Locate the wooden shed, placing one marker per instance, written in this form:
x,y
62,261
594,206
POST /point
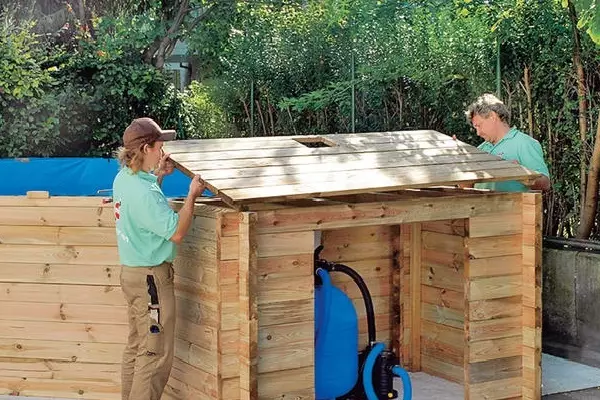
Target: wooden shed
x,y
455,274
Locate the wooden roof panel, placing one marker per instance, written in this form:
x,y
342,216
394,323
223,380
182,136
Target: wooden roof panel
x,y
244,170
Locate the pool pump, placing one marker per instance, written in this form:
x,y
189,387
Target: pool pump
x,y
341,371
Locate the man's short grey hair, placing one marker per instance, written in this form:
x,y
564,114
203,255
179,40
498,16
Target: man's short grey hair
x,y
484,105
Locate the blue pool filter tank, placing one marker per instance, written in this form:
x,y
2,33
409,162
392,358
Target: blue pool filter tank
x,y
336,341
341,372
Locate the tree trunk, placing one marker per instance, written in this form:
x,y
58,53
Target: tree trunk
x,y
581,93
527,88
588,215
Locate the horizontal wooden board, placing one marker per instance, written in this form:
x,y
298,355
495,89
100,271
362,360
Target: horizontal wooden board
x,y
443,297
64,331
62,312
496,224
388,213
71,274
58,216
86,352
495,246
66,294
447,226
58,235
495,348
444,316
442,369
495,328
496,390
80,255
195,378
60,370
286,312
501,368
495,266
85,388
295,383
54,201
495,308
495,287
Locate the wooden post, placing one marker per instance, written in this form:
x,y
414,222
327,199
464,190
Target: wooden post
x,y
415,278
532,295
248,343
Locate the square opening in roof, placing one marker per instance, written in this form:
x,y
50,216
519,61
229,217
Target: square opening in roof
x,y
315,142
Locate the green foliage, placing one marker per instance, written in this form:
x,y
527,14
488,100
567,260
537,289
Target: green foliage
x,y
60,102
202,116
589,16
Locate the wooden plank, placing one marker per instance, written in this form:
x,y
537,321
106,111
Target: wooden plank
x,y
293,383
495,246
276,142
106,275
293,149
248,291
496,225
495,266
57,235
443,342
443,298
89,389
283,244
532,296
176,390
228,223
501,368
389,213
495,308
228,248
57,312
442,277
286,312
500,389
200,334
447,226
314,185
486,350
416,306
87,352
284,289
286,346
80,255
195,378
63,331
442,369
443,242
338,163
65,294
58,216
287,266
405,300
495,329
59,370
54,201
444,316
495,287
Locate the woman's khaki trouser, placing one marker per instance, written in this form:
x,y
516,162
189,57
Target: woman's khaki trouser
x,y
148,356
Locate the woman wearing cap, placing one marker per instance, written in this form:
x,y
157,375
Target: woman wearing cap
x,y
147,233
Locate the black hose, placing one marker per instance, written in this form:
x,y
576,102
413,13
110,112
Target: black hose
x,y
364,290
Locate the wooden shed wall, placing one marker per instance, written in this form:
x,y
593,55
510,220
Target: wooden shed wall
x,y
369,250
62,314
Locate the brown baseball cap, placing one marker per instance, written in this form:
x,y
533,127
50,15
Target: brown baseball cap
x,y
143,131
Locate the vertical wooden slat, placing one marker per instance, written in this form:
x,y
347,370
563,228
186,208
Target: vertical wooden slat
x,y
532,295
248,342
396,278
415,278
405,302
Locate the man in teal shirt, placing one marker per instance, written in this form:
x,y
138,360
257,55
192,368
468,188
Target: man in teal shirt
x,y
147,233
489,117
